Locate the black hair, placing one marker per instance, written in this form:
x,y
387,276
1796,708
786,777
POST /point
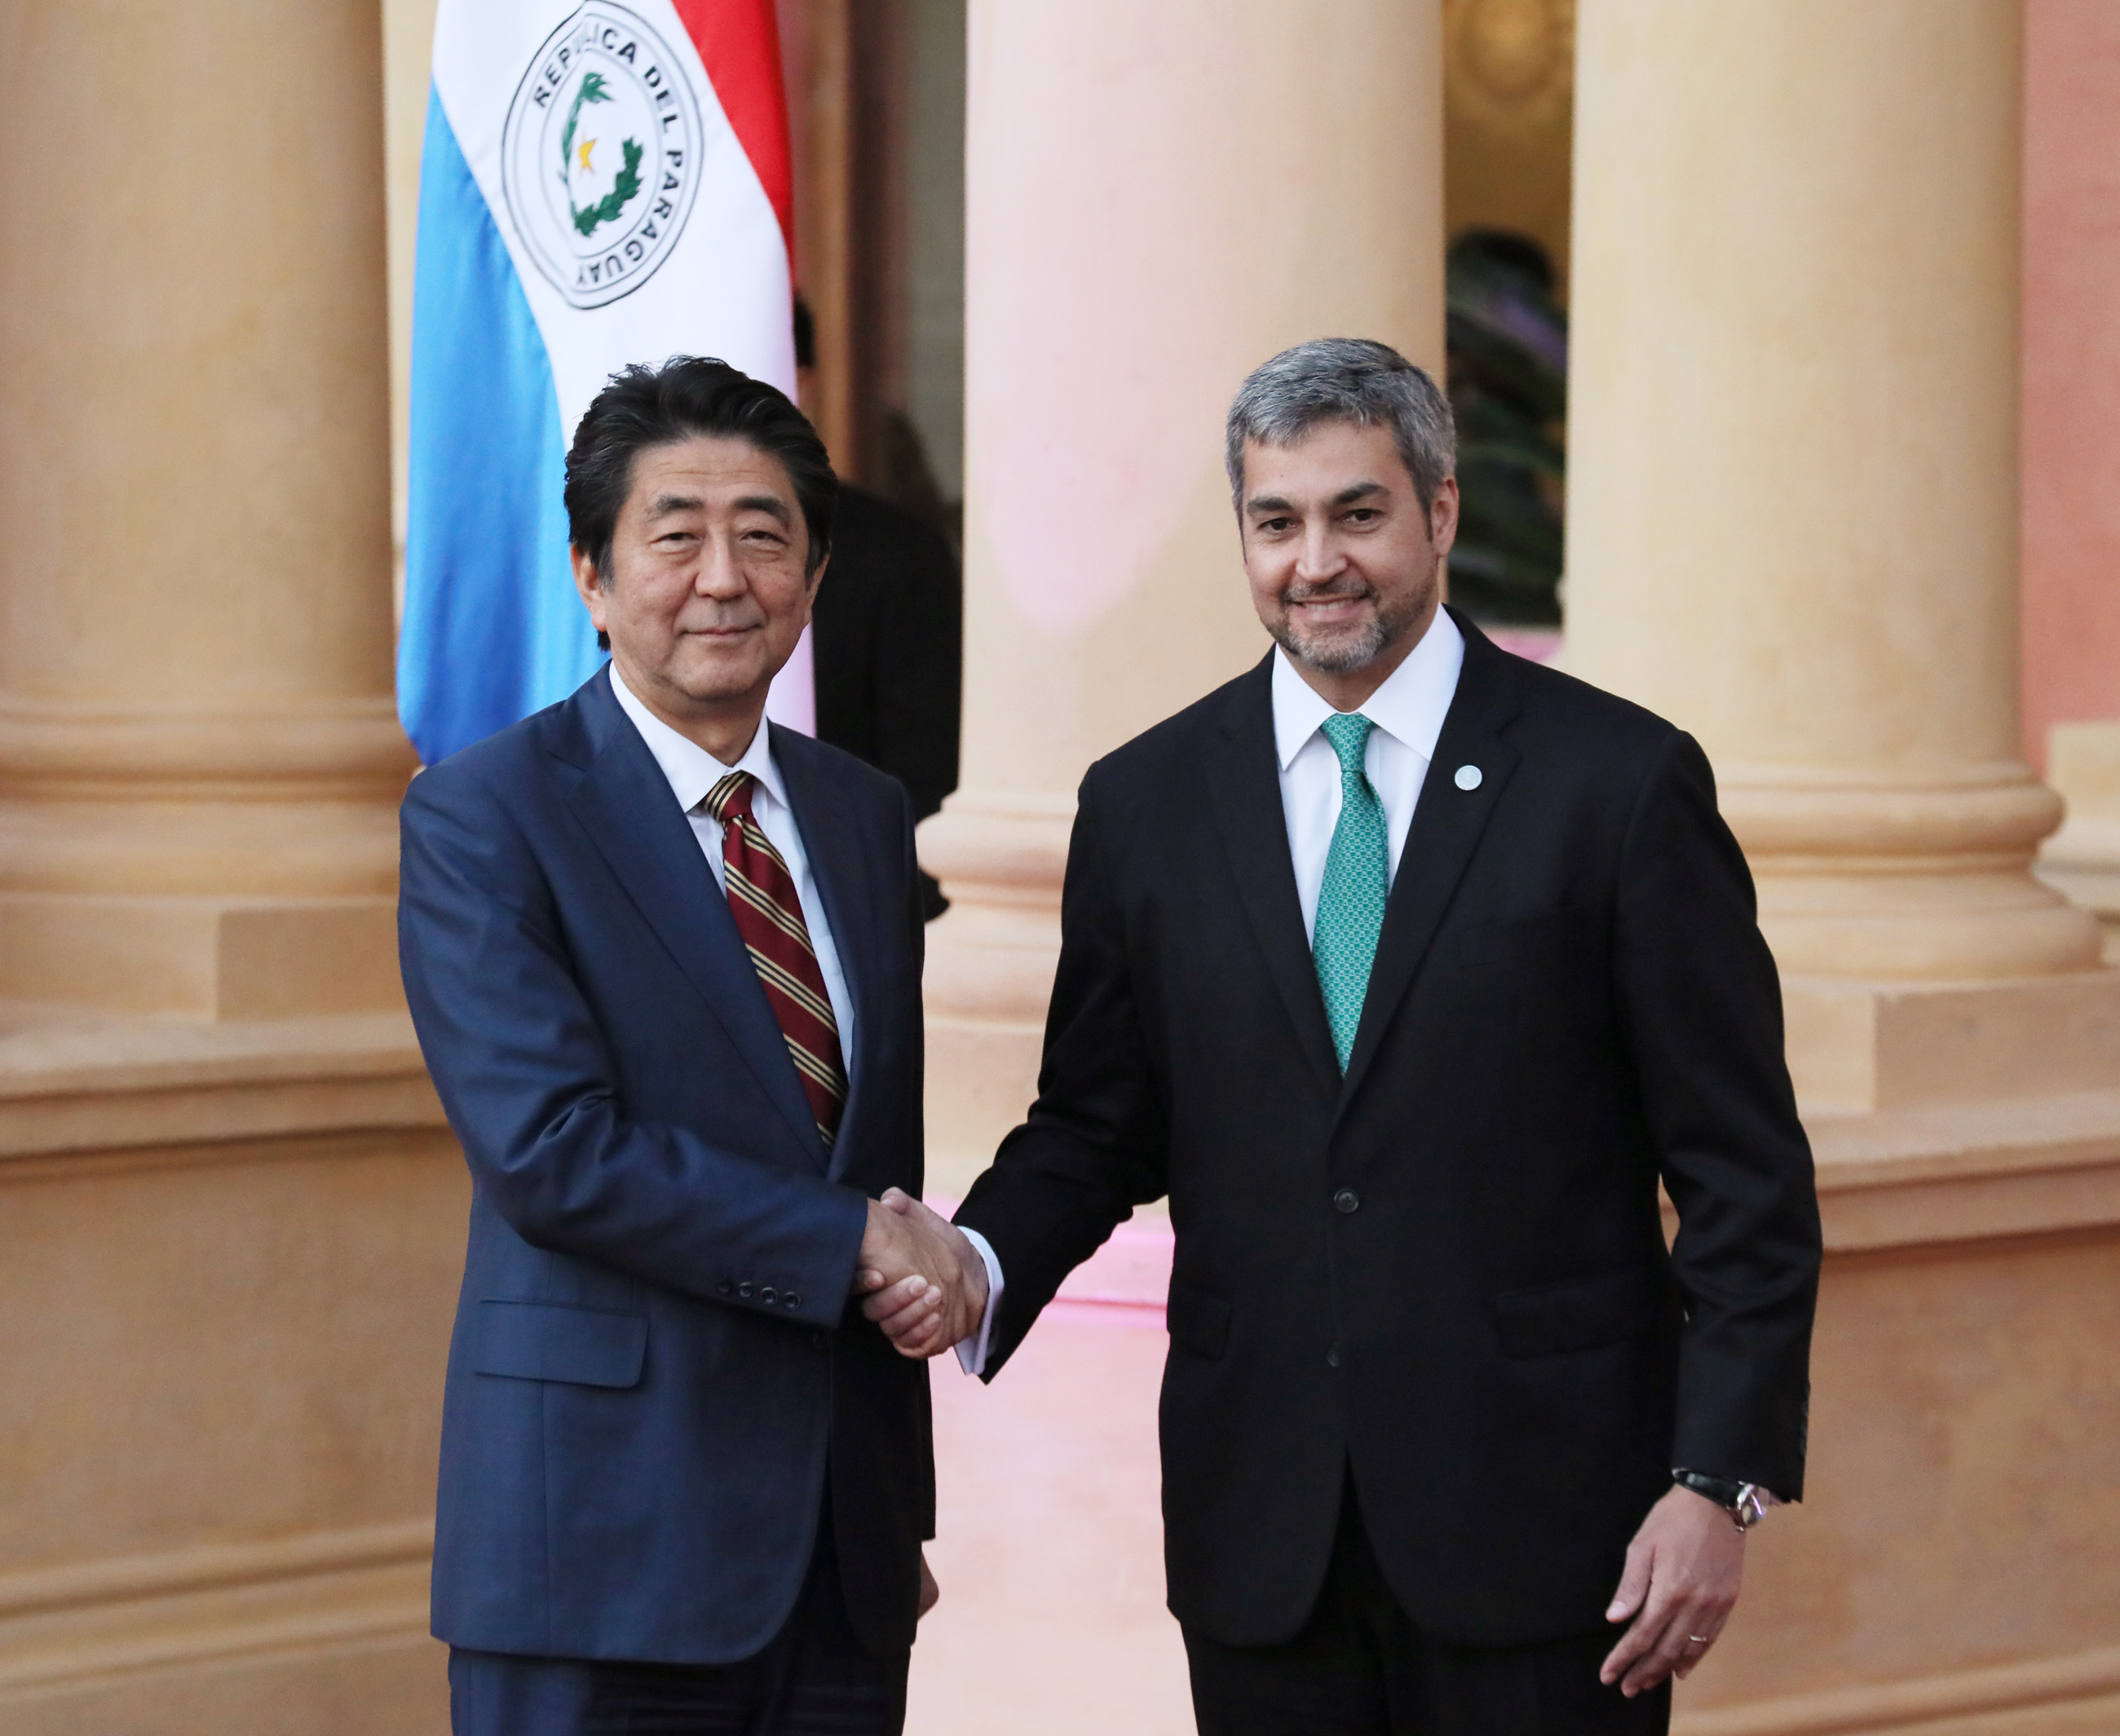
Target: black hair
x,y
688,396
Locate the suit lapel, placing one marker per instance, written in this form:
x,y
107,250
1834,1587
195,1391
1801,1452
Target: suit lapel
x,y
1447,824
1243,773
624,802
845,885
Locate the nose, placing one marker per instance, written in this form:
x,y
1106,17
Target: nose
x,y
1319,559
719,574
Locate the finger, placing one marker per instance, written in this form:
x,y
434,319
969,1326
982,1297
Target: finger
x,y
1633,1582
913,1293
869,1278
918,1317
923,1343
900,1201
1643,1635
1673,1641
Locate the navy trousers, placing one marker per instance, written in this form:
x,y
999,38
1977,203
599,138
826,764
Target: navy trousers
x,y
814,1679
1360,1667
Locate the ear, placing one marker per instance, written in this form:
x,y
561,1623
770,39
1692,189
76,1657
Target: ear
x,y
593,595
1443,516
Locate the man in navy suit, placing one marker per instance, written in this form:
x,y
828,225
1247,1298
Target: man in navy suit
x,y
665,961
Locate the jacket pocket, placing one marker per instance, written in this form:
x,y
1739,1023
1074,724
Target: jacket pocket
x,y
1197,1320
556,1341
1578,1313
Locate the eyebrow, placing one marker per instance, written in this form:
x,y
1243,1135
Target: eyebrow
x,y
1346,497
666,504
771,505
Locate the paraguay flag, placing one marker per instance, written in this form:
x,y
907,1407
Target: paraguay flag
x,y
601,184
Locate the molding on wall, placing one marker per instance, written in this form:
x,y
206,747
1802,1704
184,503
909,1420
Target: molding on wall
x,y
1930,1705
1969,1172
79,1087
86,1623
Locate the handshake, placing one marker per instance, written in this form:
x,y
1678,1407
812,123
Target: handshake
x,y
920,1277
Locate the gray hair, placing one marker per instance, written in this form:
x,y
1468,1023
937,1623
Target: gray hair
x,y
1345,379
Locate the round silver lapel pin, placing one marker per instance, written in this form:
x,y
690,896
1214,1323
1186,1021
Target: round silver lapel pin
x,y
1467,778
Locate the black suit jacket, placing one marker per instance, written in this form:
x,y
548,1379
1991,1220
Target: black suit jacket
x,y
888,642
1445,1274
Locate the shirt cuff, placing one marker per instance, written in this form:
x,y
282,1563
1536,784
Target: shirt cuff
x,y
972,1351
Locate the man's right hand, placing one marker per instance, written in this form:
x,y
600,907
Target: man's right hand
x,y
921,1279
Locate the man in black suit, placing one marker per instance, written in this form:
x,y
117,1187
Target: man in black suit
x,y
887,635
1407,969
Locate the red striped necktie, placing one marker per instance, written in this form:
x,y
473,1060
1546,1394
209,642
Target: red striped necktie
x,y
769,915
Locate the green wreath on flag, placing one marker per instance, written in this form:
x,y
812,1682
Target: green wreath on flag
x,y
587,218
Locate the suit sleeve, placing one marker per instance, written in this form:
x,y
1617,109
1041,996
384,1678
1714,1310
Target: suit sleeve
x,y
1702,1001
1095,1144
521,1064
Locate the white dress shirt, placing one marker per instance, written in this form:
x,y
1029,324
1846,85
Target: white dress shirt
x,y
691,773
1408,710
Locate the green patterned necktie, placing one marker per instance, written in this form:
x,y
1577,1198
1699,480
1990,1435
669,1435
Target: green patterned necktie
x,y
1350,902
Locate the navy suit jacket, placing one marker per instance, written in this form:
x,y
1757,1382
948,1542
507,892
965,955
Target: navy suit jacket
x,y
654,1364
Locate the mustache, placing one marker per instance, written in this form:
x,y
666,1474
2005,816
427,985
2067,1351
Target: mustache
x,y
1337,590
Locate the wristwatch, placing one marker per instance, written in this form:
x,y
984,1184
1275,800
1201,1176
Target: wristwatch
x,y
1745,1502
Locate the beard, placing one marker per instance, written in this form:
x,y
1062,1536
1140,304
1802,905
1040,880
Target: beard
x,y
1342,650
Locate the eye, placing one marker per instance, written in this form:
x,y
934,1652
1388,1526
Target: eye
x,y
1364,515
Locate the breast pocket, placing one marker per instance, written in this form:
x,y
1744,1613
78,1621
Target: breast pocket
x,y
1551,937
557,1341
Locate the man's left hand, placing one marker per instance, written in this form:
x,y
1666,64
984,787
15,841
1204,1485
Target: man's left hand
x,y
1684,1570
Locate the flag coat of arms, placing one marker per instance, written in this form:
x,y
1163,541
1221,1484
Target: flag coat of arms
x,y
600,183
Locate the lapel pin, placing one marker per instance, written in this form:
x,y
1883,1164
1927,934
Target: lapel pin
x,y
1468,777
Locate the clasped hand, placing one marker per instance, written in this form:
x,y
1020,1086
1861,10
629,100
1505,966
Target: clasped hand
x,y
921,1279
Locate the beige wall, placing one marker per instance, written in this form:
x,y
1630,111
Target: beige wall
x,y
230,1219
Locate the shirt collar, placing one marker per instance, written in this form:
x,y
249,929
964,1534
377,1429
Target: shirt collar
x,y
1411,704
690,771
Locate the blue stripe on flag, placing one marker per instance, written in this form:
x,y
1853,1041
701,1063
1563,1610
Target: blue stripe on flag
x,y
493,629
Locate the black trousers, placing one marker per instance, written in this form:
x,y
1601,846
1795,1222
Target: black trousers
x,y
1359,1668
814,1679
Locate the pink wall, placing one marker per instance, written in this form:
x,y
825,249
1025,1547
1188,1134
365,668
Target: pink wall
x,y
2072,365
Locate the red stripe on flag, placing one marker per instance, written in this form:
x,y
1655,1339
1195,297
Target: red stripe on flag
x,y
739,44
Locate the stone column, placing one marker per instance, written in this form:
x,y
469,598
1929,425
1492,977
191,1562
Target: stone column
x,y
1793,505
1157,201
199,752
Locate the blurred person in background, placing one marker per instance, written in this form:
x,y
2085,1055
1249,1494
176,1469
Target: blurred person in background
x,y
887,635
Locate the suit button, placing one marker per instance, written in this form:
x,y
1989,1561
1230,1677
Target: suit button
x,y
1348,1200
1333,1358
791,1300
744,1290
724,1288
769,1296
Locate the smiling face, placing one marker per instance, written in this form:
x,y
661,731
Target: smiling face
x,y
1344,561
707,594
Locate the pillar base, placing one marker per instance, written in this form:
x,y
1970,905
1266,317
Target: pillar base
x,y
2082,860
1858,1047
201,957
